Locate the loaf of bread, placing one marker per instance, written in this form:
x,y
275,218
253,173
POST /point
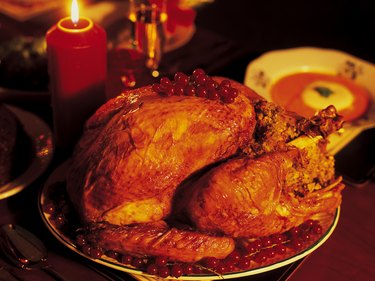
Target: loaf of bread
x,y
14,146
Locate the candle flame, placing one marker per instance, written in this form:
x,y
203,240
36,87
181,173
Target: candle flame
x,y
74,12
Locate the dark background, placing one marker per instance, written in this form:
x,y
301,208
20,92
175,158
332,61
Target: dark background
x,y
346,25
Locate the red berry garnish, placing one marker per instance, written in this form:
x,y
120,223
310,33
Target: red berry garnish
x,y
244,263
295,244
232,92
212,85
266,242
305,236
253,247
169,91
278,239
152,269
211,262
127,259
164,81
81,240
225,83
201,79
280,249
198,71
176,270
221,268
198,84
270,252
158,88
112,254
96,253
163,271
260,257
86,249
178,90
295,231
202,92
161,261
317,229
190,90
213,95
181,78
187,268
235,256
137,262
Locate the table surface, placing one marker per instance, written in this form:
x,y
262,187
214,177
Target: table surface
x,y
226,40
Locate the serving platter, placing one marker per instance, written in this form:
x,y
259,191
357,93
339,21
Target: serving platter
x,y
42,151
263,72
55,187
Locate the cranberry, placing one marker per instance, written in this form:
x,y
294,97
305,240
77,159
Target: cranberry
x,y
221,268
305,236
152,269
190,90
127,259
280,249
212,85
161,261
295,244
198,71
96,253
253,247
317,229
244,263
112,254
225,83
181,78
158,88
295,231
137,262
278,239
213,95
169,91
235,256
163,271
211,262
187,268
202,92
81,240
86,249
201,79
164,81
260,257
266,242
270,252
177,270
178,90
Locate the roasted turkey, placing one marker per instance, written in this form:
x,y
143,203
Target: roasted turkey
x,y
184,176
138,148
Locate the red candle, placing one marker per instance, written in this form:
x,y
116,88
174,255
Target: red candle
x,y
77,62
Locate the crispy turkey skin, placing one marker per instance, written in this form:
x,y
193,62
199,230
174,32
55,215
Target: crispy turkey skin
x,y
140,147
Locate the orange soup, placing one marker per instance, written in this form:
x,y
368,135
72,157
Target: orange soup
x,y
308,92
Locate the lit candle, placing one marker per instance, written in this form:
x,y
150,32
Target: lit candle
x,y
77,62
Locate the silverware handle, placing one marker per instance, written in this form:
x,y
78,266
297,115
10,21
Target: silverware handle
x,y
53,273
